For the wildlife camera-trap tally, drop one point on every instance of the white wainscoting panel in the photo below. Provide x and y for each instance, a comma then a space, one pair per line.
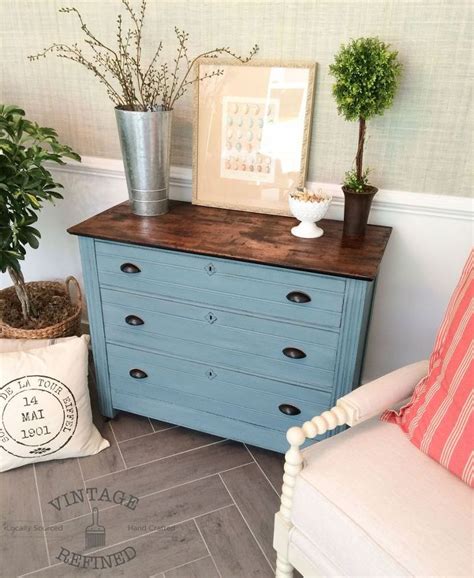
431, 238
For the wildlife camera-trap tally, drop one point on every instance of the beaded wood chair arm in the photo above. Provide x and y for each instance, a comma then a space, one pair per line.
361, 404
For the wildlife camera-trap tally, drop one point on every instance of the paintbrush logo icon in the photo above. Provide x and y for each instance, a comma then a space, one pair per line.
95, 534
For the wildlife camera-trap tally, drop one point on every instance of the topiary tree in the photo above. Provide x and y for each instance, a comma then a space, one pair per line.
366, 73
25, 184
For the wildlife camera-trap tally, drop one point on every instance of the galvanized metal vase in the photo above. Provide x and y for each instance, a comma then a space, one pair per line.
145, 142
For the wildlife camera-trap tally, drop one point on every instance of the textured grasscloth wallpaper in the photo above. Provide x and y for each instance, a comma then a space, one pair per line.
422, 144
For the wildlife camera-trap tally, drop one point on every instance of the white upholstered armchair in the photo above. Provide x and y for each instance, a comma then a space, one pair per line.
367, 502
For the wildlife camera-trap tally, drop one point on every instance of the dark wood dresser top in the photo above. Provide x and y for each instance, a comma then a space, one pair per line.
252, 237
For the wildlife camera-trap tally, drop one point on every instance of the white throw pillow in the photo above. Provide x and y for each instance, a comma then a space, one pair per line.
45, 410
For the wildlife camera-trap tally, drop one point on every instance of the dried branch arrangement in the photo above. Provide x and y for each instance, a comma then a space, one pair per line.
129, 82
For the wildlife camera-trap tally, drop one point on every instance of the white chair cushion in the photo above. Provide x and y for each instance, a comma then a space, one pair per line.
374, 505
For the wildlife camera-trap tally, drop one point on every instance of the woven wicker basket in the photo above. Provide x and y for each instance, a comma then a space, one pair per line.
66, 328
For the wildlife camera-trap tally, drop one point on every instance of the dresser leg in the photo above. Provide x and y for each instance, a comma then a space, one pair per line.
110, 417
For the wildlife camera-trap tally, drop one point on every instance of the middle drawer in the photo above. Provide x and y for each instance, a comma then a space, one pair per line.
221, 317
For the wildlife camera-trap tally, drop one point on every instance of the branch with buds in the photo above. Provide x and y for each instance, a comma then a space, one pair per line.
129, 82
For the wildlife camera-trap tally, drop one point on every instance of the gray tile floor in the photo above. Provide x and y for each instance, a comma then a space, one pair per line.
205, 508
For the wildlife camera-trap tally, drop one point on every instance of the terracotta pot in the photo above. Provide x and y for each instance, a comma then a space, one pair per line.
356, 210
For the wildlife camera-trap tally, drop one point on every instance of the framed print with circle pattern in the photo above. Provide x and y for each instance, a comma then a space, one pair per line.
251, 133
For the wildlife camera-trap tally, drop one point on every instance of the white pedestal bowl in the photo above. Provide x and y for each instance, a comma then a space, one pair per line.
309, 213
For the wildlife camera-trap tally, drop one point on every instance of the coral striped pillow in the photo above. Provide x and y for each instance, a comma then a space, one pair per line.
439, 418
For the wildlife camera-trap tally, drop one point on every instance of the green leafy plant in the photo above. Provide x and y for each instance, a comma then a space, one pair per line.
129, 81
25, 185
366, 73
356, 183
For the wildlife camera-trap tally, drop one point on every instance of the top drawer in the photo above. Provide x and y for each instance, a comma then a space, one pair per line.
262, 290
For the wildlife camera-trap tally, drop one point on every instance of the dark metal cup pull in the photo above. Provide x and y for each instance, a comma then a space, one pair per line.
129, 268
298, 297
288, 409
294, 353
134, 320
138, 373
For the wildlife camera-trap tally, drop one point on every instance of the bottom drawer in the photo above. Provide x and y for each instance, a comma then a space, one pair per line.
215, 400
210, 423
212, 391
217, 397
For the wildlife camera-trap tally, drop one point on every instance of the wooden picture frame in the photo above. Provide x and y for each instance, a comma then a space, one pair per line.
252, 126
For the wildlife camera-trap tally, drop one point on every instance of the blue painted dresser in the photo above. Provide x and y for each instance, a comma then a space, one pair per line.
222, 321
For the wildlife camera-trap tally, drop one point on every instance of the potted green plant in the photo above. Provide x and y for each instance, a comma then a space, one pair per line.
40, 309
144, 94
366, 73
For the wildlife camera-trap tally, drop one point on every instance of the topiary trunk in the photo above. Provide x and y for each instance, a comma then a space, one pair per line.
360, 148
27, 308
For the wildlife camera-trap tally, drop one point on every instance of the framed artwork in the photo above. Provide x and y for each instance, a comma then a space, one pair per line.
251, 134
